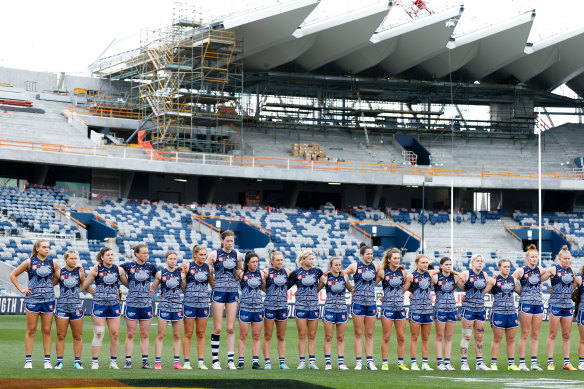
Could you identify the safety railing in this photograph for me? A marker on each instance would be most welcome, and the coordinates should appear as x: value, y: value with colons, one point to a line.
x: 211, y: 227
x: 104, y: 112
x: 552, y: 228
x: 64, y: 209
x: 288, y: 163
x: 237, y: 218
x: 62, y: 214
x: 390, y: 224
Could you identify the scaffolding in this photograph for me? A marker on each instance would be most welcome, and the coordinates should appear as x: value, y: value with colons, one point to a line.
x: 186, y: 86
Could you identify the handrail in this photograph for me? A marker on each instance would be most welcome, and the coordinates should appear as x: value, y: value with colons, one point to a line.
x: 105, y: 220
x: 365, y: 233
x: 104, y: 112
x: 240, y: 219
x: 289, y: 163
x: 85, y: 209
x: 391, y: 224
x: 213, y: 228
x: 553, y: 228
x: 62, y: 213
x: 509, y: 230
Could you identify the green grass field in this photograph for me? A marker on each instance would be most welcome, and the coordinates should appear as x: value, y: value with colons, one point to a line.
x: 12, y: 361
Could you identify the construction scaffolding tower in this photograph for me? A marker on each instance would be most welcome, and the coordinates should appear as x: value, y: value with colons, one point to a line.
x: 186, y: 87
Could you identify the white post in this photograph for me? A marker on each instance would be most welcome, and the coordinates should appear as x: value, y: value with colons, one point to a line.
x: 231, y: 160
x: 452, y: 218
x: 203, y: 159
x: 288, y: 161
x: 125, y: 148
x: 539, y: 187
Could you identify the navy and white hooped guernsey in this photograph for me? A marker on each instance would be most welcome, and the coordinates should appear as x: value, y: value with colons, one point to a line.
x: 503, y: 301
x: 225, y: 267
x: 393, y: 294
x: 364, y: 279
x: 444, y: 289
x: 197, y: 279
x: 276, y: 289
x: 40, y: 281
x: 307, y: 283
x: 69, y: 281
x: 251, y: 292
x: 475, y: 291
x: 171, y: 293
x: 531, y: 291
x: 421, y: 301
x: 106, y: 286
x: 562, y: 284
x: 139, y: 277
x: 335, y: 294
x: 581, y: 305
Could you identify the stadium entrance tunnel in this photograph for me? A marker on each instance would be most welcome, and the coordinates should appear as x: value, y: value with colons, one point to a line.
x: 388, y: 236
x: 247, y: 236
x: 96, y: 228
x: 552, y: 240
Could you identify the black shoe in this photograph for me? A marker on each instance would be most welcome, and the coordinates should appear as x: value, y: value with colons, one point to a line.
x: 256, y: 366
x: 240, y: 366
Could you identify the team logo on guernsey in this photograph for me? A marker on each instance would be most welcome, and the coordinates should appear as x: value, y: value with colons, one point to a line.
x: 110, y: 278
x: 395, y: 281
x: 338, y: 287
x: 254, y: 282
x: 229, y: 263
x: 479, y: 284
x: 507, y: 287
x: 567, y: 278
x: 43, y: 271
x: 308, y: 280
x: 172, y: 282
x: 70, y: 282
x: 280, y: 280
x: 368, y: 275
x: 447, y: 287
x: 141, y: 275
x: 424, y: 283
x: 201, y: 276
x: 534, y: 279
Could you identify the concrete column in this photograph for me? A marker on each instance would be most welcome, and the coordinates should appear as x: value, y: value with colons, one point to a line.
x: 40, y: 174
x: 291, y: 192
x: 377, y: 196
x: 126, y: 180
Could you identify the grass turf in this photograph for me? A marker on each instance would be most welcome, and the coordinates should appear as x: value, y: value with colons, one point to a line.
x: 12, y: 361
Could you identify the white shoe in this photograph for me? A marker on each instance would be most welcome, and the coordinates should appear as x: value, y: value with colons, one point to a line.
x: 371, y: 366
x: 28, y: 365
x: 414, y: 367
x: 523, y: 367
x: 114, y: 366
x: 441, y: 367
x: 581, y: 366
x: 231, y: 366
x: 94, y: 365
x: 48, y: 365
x: 449, y: 367
x: 464, y: 367
x: 301, y: 366
x: 535, y: 367
x: 483, y: 367
x: 343, y: 367
x: 328, y: 367
x: 216, y: 366
x: 359, y: 365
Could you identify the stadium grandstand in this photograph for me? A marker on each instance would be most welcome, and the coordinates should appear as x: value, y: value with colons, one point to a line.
x: 392, y: 125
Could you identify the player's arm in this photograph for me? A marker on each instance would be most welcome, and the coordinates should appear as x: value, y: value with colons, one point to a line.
x: 351, y: 269
x: 518, y: 273
x: 379, y: 276
x: 434, y: 279
x: 56, y: 276
x: 490, y: 283
x: 408, y: 282
x: 123, y: 277
x: 90, y: 290
x: 349, y: 285
x: 24, y: 266
x: 517, y: 286
x: 321, y: 282
x: 462, y: 280
x: 156, y: 282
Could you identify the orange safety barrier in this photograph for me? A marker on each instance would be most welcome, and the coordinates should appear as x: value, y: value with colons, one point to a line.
x: 62, y: 213
x: 105, y: 112
x: 53, y: 147
x: 213, y: 228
